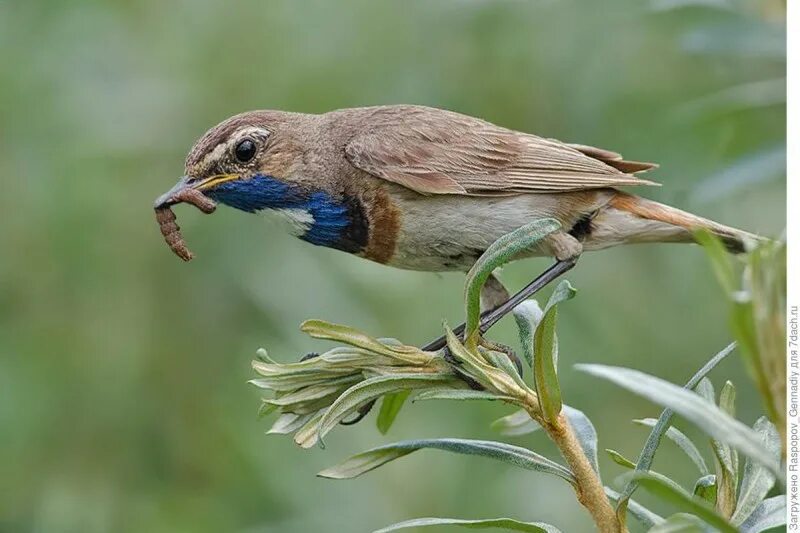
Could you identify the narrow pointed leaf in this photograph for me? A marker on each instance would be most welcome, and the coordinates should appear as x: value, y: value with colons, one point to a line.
x: 757, y: 480
x: 648, y: 453
x: 769, y: 514
x: 502, y: 361
x: 682, y: 523
x: 564, y: 291
x: 720, y: 259
x: 644, y: 515
x: 683, y: 442
x: 516, y: 424
x: 370, y: 389
x: 587, y: 435
x: 672, y: 493
x: 528, y: 314
x: 707, y: 417
x: 508, y: 524
x: 308, y: 435
x: 390, y: 407
x: 725, y: 459
x: 461, y: 394
x: 620, y: 459
x: 288, y: 423
x: 320, y: 329
x: 514, y: 455
x: 545, y: 377
x: 500, y: 252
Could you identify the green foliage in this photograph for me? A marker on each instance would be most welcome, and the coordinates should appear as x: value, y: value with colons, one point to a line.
x: 545, y: 353
x: 683, y: 442
x: 504, y: 523
x: 707, y: 417
x: 757, y: 315
x: 671, y: 492
x: 500, y: 252
x: 390, y: 408
x: 313, y: 396
x: 769, y: 514
x: 662, y: 425
x: 513, y: 455
x: 757, y: 481
x: 620, y: 459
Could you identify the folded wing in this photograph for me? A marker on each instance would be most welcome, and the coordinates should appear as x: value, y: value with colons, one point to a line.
x: 439, y: 152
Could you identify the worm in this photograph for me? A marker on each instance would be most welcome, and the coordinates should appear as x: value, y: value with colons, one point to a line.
x: 170, y: 229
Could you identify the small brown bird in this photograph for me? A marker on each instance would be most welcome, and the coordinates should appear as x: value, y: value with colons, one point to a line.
x: 426, y: 189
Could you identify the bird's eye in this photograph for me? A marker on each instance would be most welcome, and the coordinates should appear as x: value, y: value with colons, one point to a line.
x: 245, y: 150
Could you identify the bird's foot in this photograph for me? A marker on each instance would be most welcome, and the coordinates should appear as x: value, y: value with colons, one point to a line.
x: 507, y: 350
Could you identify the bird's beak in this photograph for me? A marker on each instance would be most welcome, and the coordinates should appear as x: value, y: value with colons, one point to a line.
x: 187, y: 182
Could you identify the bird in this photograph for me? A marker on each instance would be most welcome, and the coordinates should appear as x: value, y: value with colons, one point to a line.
x: 428, y: 189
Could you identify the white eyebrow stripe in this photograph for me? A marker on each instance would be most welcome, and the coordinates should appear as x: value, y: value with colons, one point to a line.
x: 221, y: 149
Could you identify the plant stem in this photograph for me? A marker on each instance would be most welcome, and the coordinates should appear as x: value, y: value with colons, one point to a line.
x: 588, y: 487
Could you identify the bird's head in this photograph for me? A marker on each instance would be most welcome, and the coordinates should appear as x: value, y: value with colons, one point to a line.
x: 246, y: 162
x: 260, y: 161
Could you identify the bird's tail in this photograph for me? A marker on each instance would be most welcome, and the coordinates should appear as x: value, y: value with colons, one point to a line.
x: 629, y: 219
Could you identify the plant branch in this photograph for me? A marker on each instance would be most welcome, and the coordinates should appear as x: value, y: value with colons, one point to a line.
x: 588, y: 487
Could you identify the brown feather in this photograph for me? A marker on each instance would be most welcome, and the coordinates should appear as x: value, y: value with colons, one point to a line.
x: 433, y: 151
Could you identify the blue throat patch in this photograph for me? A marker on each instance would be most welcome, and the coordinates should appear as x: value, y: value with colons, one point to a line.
x: 337, y: 224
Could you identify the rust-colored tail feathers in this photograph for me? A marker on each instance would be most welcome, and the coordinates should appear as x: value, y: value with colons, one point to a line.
x: 650, y: 221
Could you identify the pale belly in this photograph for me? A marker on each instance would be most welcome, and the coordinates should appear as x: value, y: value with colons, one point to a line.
x: 444, y: 233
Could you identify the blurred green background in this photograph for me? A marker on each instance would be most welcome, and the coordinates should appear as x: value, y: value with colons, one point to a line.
x: 123, y: 396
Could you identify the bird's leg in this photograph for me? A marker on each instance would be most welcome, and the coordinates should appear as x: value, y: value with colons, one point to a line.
x: 564, y: 247
x: 490, y: 318
x: 553, y: 272
x: 494, y: 294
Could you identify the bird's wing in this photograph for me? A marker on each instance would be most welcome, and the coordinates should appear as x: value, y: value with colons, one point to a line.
x: 440, y: 152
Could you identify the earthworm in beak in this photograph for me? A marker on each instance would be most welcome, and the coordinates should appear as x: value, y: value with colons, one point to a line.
x: 181, y: 193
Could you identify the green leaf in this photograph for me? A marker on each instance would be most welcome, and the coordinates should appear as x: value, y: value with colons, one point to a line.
x: 505, y: 523
x: 462, y: 394
x: 500, y: 252
x: 564, y: 291
x: 760, y: 322
x: 507, y: 453
x: 683, y: 442
x: 390, y: 407
x: 501, y: 360
x: 528, y: 314
x: 516, y: 424
x: 671, y: 492
x: 757, y: 480
x: 587, y: 435
x: 644, y: 515
x: 706, y: 488
x: 471, y: 364
x: 545, y: 377
x: 620, y: 459
x: 682, y: 523
x: 313, y: 392
x: 769, y: 514
x: 720, y: 260
x: 648, y: 453
x: 288, y: 423
x: 707, y: 417
x: 370, y: 389
x: 308, y: 435
x: 319, y: 329
x: 726, y: 458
